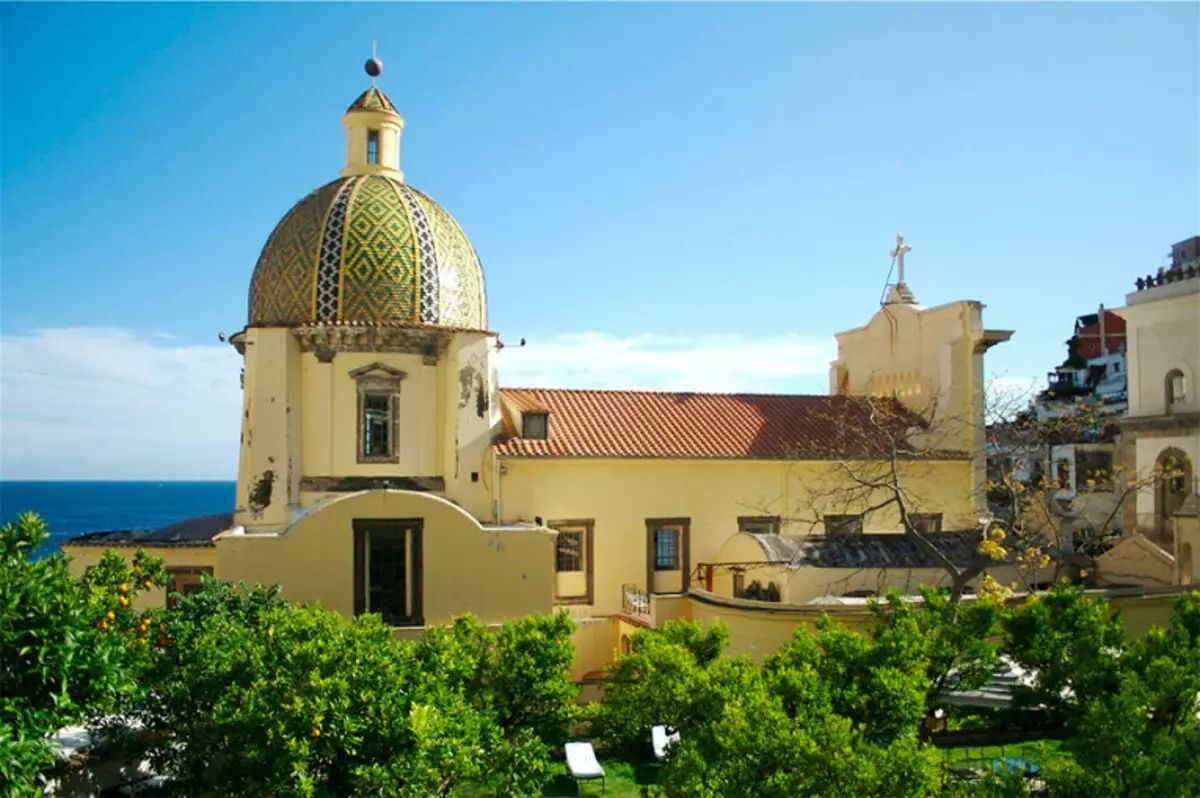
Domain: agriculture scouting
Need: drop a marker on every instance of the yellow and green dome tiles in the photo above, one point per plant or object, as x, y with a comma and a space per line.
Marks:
368, 249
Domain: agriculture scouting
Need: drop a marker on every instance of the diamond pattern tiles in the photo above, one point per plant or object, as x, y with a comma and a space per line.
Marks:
282, 287
430, 310
329, 265
370, 250
460, 276
380, 261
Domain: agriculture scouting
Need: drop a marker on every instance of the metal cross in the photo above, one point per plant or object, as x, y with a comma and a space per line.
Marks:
898, 254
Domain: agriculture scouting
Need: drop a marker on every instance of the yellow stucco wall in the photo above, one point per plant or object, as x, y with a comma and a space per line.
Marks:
80, 558
495, 574
619, 495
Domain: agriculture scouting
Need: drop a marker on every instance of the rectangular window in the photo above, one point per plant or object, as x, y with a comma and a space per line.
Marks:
1178, 393
1094, 470
387, 570
569, 556
183, 580
376, 425
574, 577
739, 584
666, 549
759, 524
926, 522
534, 426
372, 146
843, 525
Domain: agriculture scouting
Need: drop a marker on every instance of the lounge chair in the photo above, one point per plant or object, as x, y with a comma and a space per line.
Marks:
662, 738
581, 761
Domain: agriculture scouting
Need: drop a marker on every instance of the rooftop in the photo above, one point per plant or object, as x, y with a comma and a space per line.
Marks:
198, 531
656, 424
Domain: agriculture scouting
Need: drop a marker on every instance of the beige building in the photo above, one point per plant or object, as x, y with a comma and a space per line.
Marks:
383, 469
1162, 427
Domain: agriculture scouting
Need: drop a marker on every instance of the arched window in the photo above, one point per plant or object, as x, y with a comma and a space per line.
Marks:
1174, 484
1176, 389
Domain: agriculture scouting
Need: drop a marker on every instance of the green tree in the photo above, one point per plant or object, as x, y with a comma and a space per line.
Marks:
1074, 647
71, 650
663, 680
1143, 736
254, 696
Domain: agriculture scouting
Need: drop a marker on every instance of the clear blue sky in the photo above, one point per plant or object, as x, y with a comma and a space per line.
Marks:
683, 171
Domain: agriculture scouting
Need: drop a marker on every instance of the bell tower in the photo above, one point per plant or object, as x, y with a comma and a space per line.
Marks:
373, 127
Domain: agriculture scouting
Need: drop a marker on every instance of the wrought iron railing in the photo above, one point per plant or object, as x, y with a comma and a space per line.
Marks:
635, 601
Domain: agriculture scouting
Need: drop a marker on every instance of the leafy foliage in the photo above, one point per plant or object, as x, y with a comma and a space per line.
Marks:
71, 650
255, 696
1134, 709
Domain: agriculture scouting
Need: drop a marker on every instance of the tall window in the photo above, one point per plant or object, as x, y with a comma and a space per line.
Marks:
666, 549
376, 425
573, 564
378, 413
185, 579
842, 525
1176, 389
372, 146
569, 555
387, 570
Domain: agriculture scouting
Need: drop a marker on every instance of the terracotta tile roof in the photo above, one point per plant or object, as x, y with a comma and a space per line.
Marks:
702, 425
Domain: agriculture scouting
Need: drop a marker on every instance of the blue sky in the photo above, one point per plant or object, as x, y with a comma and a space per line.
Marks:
662, 195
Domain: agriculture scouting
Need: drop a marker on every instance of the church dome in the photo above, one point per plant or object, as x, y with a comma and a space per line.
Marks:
368, 249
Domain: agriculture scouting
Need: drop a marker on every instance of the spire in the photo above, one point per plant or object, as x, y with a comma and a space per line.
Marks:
373, 127
899, 294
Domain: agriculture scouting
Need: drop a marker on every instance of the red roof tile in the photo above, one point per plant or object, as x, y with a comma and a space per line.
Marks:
701, 425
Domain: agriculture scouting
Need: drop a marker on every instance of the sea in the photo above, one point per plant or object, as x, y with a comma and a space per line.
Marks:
72, 508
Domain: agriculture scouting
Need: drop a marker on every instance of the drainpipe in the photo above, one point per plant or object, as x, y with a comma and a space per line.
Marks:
495, 487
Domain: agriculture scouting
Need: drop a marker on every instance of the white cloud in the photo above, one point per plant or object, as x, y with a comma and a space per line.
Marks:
719, 363
103, 403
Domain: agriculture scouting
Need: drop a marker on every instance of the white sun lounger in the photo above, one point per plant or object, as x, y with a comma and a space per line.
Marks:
581, 761
662, 738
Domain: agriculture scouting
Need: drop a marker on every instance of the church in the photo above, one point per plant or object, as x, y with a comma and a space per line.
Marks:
383, 467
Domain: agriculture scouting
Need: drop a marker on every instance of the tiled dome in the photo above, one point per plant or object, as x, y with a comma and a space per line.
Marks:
368, 249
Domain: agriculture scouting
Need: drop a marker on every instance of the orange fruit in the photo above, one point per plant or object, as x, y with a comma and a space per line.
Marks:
104, 625
123, 589
148, 584
110, 615
124, 601
316, 733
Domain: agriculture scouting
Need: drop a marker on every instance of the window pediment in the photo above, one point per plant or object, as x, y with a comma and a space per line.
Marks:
378, 371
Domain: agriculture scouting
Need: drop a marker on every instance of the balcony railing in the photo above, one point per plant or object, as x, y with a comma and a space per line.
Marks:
635, 601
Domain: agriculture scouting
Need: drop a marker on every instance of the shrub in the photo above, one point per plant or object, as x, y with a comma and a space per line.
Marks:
71, 650
255, 696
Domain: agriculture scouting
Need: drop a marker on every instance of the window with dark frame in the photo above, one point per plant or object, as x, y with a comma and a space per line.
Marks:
843, 525
1095, 470
376, 424
378, 388
666, 549
373, 146
387, 570
569, 555
759, 525
535, 426
926, 523
739, 584
1176, 388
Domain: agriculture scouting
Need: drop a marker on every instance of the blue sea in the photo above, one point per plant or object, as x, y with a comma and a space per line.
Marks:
72, 508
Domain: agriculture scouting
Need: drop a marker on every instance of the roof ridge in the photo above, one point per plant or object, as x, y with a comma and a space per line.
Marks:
659, 392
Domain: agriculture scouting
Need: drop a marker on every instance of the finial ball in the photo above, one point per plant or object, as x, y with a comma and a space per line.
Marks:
374, 67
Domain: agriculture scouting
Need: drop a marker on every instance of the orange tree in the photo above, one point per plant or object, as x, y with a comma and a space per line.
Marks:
72, 650
254, 696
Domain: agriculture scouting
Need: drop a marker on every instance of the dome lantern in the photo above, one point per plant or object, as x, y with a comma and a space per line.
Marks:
373, 127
